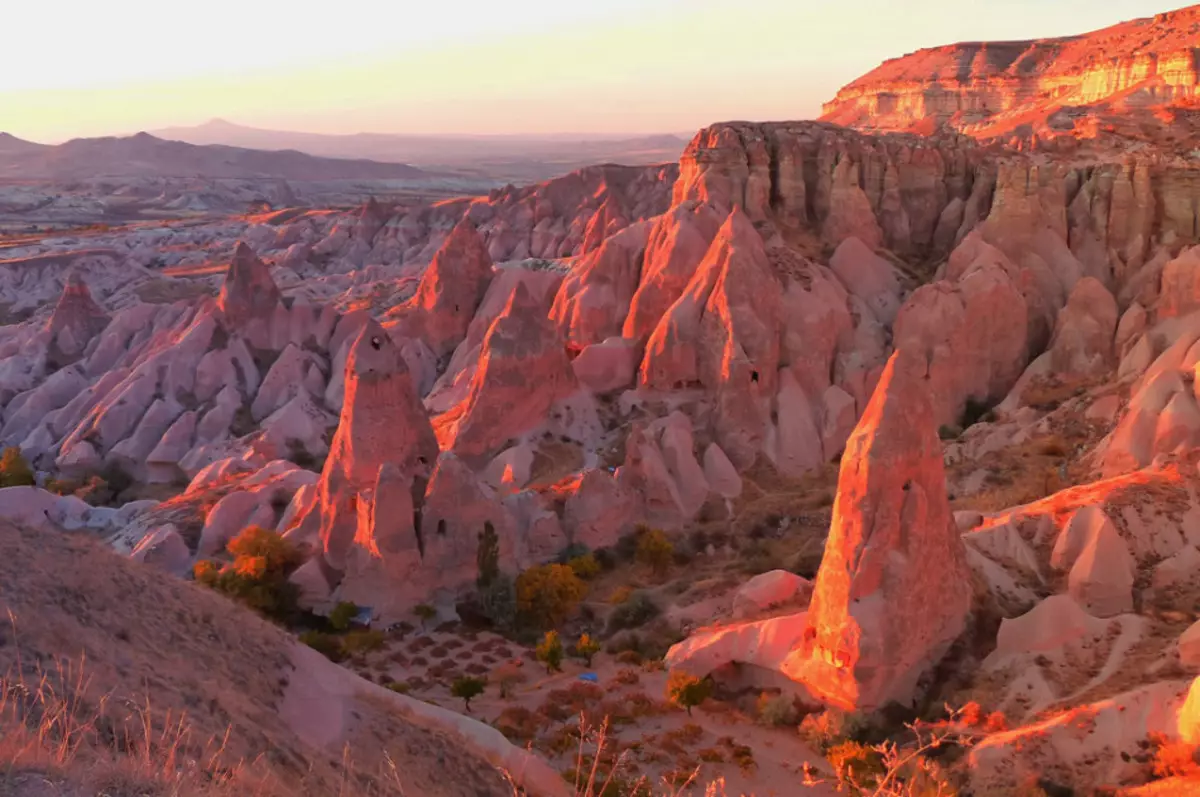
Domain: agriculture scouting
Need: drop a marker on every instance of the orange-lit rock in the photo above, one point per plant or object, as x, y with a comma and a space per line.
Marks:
450, 291
523, 370
382, 424
723, 333
878, 619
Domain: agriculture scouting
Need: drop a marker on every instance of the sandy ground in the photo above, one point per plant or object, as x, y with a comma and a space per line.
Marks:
544, 710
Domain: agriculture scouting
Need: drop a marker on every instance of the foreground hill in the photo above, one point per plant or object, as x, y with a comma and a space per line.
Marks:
143, 155
1133, 80
202, 696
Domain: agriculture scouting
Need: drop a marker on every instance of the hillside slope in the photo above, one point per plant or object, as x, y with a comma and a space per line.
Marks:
1133, 80
121, 645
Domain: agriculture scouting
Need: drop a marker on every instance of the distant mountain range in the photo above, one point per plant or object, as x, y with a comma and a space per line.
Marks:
533, 157
144, 155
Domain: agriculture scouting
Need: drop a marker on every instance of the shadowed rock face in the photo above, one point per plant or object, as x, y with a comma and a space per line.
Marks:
894, 590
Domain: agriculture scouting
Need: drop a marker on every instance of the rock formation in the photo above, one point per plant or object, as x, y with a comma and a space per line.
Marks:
1131, 80
893, 591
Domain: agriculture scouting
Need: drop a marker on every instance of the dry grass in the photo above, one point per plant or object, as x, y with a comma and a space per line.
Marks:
115, 673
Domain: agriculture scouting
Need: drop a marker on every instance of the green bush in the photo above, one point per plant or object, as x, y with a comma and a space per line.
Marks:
655, 551
466, 688
342, 615
14, 469
326, 644
363, 641
687, 691
487, 556
586, 648
548, 594
258, 575
424, 613
585, 566
498, 602
550, 652
637, 610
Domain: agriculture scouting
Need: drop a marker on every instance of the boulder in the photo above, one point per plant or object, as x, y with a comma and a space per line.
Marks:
768, 590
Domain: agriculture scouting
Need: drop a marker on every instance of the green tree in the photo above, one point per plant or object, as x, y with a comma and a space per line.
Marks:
687, 691
655, 551
548, 594
586, 648
467, 687
342, 615
487, 557
424, 613
550, 652
14, 470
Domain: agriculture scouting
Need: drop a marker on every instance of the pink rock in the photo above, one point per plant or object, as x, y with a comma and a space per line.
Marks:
599, 510
1132, 324
677, 242
523, 370
1083, 338
1180, 285
720, 473
1189, 647
248, 295
75, 322
869, 277
449, 293
382, 423
973, 335
850, 213
164, 548
768, 590
838, 417
878, 619
594, 298
797, 444
724, 333
608, 366
226, 520
1102, 577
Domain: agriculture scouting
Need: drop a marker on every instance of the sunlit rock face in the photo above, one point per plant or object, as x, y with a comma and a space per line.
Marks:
894, 590
1124, 81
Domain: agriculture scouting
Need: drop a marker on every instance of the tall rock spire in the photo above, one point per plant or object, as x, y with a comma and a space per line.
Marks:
894, 589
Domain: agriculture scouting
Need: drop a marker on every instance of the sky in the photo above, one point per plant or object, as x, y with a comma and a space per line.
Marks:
85, 68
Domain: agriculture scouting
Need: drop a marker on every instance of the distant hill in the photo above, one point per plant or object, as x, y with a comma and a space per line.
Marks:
533, 157
144, 155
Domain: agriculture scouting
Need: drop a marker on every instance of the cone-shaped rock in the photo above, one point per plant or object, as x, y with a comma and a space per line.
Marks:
523, 370
248, 292
450, 291
382, 423
76, 320
894, 589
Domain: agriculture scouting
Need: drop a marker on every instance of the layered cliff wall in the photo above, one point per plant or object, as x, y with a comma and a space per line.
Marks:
1140, 71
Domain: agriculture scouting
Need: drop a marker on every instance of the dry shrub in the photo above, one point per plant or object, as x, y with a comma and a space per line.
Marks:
519, 724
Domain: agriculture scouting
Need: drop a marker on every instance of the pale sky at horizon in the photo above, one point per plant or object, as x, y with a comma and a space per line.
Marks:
475, 66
